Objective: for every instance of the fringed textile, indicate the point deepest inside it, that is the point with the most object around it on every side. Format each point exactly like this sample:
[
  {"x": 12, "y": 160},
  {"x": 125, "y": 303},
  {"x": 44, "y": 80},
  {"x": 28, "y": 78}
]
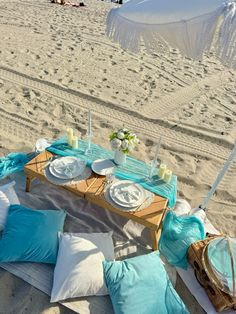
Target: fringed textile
[
  {"x": 192, "y": 37},
  {"x": 226, "y": 44}
]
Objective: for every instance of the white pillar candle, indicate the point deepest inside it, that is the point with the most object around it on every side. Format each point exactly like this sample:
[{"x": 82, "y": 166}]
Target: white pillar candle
[
  {"x": 168, "y": 175},
  {"x": 70, "y": 134},
  {"x": 75, "y": 142},
  {"x": 162, "y": 170}
]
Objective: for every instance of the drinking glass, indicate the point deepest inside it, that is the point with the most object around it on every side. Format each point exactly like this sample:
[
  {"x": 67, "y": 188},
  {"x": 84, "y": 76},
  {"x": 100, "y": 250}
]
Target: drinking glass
[{"x": 110, "y": 177}]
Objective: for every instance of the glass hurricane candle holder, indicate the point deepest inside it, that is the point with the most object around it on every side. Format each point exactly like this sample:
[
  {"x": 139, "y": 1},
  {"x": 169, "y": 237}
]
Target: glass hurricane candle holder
[
  {"x": 88, "y": 149},
  {"x": 153, "y": 165}
]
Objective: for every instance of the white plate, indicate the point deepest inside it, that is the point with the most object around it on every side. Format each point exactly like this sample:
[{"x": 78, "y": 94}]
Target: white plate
[
  {"x": 58, "y": 181},
  {"x": 67, "y": 167},
  {"x": 103, "y": 166},
  {"x": 149, "y": 197},
  {"x": 127, "y": 193}
]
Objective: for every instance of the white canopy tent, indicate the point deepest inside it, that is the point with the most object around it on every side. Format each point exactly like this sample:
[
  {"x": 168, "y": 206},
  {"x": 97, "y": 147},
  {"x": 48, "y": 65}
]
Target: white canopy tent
[{"x": 194, "y": 27}]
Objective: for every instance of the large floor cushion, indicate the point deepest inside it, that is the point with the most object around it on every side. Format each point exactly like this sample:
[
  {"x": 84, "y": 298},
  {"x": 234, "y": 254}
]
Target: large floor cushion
[
  {"x": 7, "y": 197},
  {"x": 140, "y": 285},
  {"x": 31, "y": 235},
  {"x": 79, "y": 269}
]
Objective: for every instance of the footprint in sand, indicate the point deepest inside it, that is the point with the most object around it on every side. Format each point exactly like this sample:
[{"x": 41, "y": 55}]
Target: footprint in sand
[
  {"x": 132, "y": 70},
  {"x": 228, "y": 119},
  {"x": 149, "y": 143},
  {"x": 153, "y": 85},
  {"x": 178, "y": 158}
]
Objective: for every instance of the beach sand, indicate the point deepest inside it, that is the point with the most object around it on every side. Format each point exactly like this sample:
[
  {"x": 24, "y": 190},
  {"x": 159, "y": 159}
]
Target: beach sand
[{"x": 56, "y": 63}]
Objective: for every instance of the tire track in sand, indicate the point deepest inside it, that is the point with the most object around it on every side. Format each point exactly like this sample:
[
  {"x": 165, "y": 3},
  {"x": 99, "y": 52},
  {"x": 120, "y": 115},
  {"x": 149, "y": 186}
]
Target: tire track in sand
[
  {"x": 148, "y": 126},
  {"x": 170, "y": 103},
  {"x": 17, "y": 125}
]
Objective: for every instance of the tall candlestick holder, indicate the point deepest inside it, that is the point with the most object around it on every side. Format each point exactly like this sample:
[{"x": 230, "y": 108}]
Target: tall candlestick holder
[
  {"x": 88, "y": 149},
  {"x": 154, "y": 163},
  {"x": 89, "y": 134}
]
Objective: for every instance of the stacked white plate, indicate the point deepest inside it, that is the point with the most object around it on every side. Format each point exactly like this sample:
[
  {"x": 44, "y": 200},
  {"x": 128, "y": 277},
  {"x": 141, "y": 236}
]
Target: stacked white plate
[
  {"x": 67, "y": 170},
  {"x": 128, "y": 196},
  {"x": 67, "y": 167}
]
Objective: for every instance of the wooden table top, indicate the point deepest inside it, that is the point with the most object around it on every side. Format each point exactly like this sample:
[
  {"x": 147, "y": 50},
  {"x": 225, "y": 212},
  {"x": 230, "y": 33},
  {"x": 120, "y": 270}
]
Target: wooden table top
[{"x": 92, "y": 190}]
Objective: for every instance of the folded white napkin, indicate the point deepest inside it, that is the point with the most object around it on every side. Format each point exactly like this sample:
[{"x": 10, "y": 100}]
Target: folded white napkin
[
  {"x": 127, "y": 195},
  {"x": 65, "y": 168},
  {"x": 69, "y": 170}
]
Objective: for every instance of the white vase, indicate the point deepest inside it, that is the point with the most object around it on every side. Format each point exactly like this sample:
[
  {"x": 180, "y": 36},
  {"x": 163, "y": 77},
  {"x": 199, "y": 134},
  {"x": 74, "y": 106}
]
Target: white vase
[{"x": 120, "y": 157}]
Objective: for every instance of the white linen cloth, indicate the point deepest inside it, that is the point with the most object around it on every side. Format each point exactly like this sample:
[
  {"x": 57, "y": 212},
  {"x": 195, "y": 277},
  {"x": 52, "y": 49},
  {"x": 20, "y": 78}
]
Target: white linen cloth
[{"x": 189, "y": 26}]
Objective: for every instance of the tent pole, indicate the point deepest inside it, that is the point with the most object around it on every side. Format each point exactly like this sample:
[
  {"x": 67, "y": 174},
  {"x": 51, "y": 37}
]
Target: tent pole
[{"x": 219, "y": 178}]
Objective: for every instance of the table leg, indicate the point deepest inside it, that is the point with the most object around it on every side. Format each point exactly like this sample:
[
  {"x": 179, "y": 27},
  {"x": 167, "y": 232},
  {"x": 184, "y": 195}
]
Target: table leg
[
  {"x": 155, "y": 236},
  {"x": 28, "y": 184}
]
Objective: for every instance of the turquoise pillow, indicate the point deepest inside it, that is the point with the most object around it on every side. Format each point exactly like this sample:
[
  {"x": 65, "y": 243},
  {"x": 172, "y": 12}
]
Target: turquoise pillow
[
  {"x": 140, "y": 285},
  {"x": 31, "y": 235}
]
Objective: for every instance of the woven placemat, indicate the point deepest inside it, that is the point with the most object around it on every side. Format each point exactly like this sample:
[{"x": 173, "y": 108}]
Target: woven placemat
[{"x": 51, "y": 178}]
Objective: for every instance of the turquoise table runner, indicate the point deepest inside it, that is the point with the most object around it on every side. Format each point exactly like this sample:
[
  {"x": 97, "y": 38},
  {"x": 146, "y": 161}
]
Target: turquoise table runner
[{"x": 133, "y": 169}]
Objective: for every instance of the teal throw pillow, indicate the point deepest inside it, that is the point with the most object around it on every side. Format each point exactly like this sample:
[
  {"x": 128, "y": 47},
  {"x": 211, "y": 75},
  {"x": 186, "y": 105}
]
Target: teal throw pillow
[
  {"x": 140, "y": 285},
  {"x": 31, "y": 235}
]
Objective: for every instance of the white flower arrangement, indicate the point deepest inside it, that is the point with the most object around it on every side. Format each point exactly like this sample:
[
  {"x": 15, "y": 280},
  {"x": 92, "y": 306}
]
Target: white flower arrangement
[{"x": 124, "y": 140}]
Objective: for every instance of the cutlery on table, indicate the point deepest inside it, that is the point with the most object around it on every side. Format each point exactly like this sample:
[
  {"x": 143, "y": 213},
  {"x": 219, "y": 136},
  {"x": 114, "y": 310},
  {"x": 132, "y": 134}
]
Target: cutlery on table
[
  {"x": 49, "y": 160},
  {"x": 105, "y": 184},
  {"x": 88, "y": 187}
]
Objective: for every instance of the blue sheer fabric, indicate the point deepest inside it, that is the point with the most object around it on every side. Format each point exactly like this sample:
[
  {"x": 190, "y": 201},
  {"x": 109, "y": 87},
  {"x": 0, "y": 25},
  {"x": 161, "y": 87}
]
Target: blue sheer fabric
[
  {"x": 133, "y": 169},
  {"x": 178, "y": 233},
  {"x": 12, "y": 163}
]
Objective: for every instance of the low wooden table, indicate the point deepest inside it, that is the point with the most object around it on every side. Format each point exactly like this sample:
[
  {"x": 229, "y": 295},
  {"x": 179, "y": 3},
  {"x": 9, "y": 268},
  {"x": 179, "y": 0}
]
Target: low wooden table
[{"x": 92, "y": 190}]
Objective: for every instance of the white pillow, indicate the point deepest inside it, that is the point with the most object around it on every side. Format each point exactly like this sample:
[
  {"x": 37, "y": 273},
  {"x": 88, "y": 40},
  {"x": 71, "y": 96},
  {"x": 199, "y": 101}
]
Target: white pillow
[
  {"x": 182, "y": 207},
  {"x": 79, "y": 270},
  {"x": 7, "y": 197}
]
